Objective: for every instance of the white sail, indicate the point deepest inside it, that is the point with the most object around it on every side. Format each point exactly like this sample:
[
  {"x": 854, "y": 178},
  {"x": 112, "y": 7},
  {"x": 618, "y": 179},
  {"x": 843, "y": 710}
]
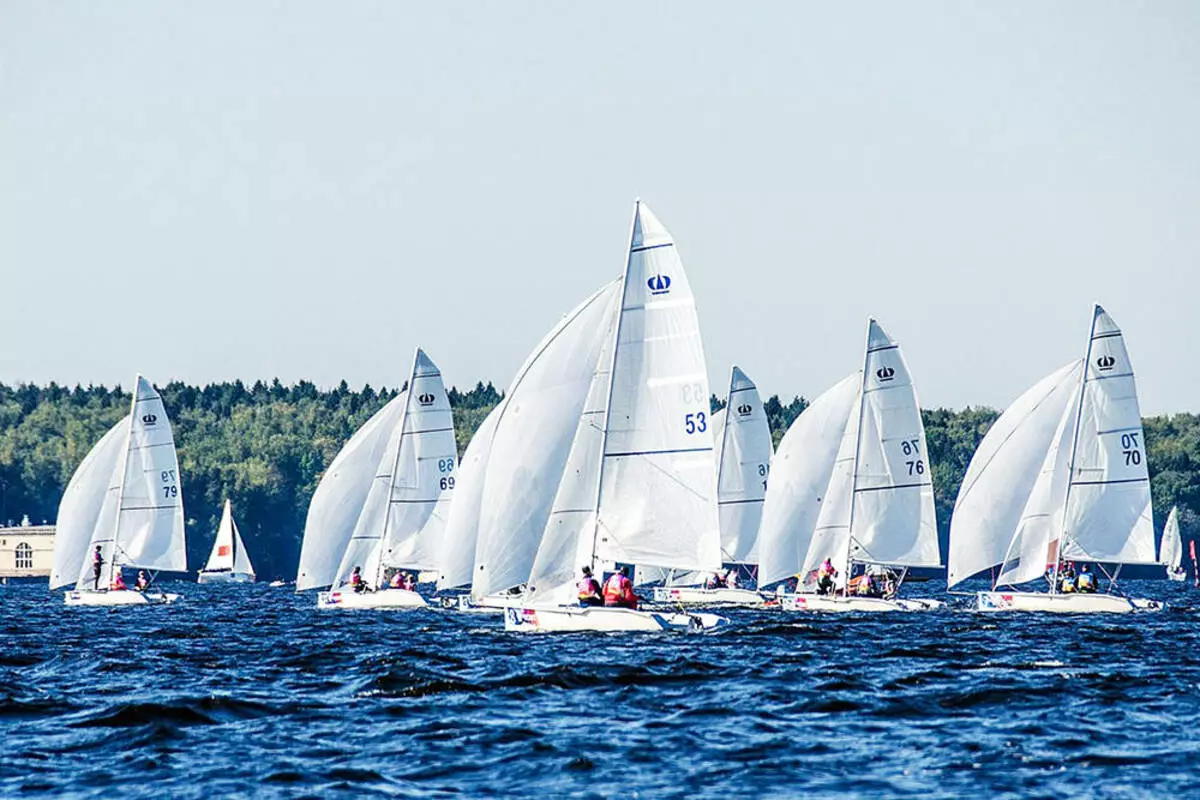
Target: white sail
[
  {"x": 831, "y": 534},
  {"x": 148, "y": 530},
  {"x": 1108, "y": 514},
  {"x": 894, "y": 520},
  {"x": 1002, "y": 474},
  {"x": 532, "y": 442},
  {"x": 1172, "y": 547},
  {"x": 1034, "y": 545},
  {"x": 338, "y": 501},
  {"x": 228, "y": 551},
  {"x": 400, "y": 523},
  {"x": 424, "y": 475},
  {"x": 457, "y": 561},
  {"x": 800, "y": 475},
  {"x": 743, "y": 455},
  {"x": 657, "y": 502},
  {"x": 79, "y": 512}
]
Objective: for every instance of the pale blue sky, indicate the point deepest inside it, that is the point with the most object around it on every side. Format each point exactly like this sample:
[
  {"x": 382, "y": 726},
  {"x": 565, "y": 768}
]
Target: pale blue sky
[{"x": 216, "y": 190}]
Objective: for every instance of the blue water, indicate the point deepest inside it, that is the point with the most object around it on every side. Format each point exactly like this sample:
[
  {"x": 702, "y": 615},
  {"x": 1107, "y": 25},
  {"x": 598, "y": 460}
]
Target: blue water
[{"x": 247, "y": 690}]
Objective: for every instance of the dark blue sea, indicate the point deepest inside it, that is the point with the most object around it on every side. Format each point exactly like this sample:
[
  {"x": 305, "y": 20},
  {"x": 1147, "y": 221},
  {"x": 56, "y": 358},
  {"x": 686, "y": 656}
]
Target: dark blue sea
[{"x": 250, "y": 691}]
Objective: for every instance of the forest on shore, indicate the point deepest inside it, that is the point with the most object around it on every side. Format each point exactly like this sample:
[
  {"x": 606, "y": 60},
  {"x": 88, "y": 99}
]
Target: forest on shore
[{"x": 265, "y": 447}]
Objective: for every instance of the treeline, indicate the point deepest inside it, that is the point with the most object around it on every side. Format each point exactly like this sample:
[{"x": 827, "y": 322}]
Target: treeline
[{"x": 265, "y": 447}]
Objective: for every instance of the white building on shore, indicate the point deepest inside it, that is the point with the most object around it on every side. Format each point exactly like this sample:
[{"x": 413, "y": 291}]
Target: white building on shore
[{"x": 26, "y": 551}]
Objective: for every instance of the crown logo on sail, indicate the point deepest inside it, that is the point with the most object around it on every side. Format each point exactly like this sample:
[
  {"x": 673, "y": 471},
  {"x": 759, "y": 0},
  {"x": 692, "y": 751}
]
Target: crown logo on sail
[
  {"x": 1105, "y": 363},
  {"x": 659, "y": 284},
  {"x": 885, "y": 373},
  {"x": 425, "y": 399},
  {"x": 149, "y": 419},
  {"x": 744, "y": 409}
]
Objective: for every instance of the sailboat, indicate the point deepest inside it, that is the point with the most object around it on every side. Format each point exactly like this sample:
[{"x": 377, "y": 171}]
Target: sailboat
[
  {"x": 743, "y": 456},
  {"x": 382, "y": 504},
  {"x": 228, "y": 562},
  {"x": 639, "y": 485},
  {"x": 853, "y": 484},
  {"x": 122, "y": 508},
  {"x": 1061, "y": 475},
  {"x": 1172, "y": 547}
]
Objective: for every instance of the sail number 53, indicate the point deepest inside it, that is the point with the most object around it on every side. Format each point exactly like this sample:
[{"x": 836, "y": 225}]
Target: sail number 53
[{"x": 695, "y": 423}]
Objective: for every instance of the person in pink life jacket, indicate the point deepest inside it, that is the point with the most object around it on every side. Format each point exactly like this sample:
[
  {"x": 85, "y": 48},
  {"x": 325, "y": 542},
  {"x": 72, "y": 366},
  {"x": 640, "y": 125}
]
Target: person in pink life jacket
[
  {"x": 589, "y": 589},
  {"x": 143, "y": 583},
  {"x": 397, "y": 580},
  {"x": 118, "y": 583},
  {"x": 356, "y": 580},
  {"x": 410, "y": 583}
]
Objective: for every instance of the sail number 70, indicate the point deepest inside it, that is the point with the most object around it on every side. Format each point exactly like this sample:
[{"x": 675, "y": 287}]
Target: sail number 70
[{"x": 1129, "y": 449}]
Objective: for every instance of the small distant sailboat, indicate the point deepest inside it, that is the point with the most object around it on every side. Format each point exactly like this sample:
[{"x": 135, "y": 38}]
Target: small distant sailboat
[
  {"x": 639, "y": 485},
  {"x": 383, "y": 502},
  {"x": 853, "y": 485},
  {"x": 228, "y": 562},
  {"x": 1172, "y": 548},
  {"x": 122, "y": 508},
  {"x": 743, "y": 456},
  {"x": 1061, "y": 475}
]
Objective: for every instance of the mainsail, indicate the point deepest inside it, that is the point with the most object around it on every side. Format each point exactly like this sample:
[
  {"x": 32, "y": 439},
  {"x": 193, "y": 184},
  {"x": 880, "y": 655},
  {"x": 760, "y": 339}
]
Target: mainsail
[
  {"x": 457, "y": 562},
  {"x": 743, "y": 455},
  {"x": 1172, "y": 547}
]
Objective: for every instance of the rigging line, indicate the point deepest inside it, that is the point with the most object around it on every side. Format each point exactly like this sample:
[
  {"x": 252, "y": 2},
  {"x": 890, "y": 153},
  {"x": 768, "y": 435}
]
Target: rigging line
[{"x": 646, "y": 247}]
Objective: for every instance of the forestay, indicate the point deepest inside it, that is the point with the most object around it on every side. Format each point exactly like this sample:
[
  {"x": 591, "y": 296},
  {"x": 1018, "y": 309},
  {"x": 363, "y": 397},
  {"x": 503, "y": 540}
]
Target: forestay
[
  {"x": 657, "y": 501},
  {"x": 800, "y": 475},
  {"x": 532, "y": 441},
  {"x": 1002, "y": 473},
  {"x": 743, "y": 455},
  {"x": 145, "y": 528},
  {"x": 457, "y": 561},
  {"x": 340, "y": 496}
]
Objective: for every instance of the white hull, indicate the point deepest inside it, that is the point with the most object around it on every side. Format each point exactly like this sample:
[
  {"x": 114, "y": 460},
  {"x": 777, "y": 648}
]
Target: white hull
[
  {"x": 383, "y": 598},
  {"x": 697, "y": 596},
  {"x": 225, "y": 576},
  {"x": 597, "y": 618},
  {"x": 492, "y": 604},
  {"x": 1177, "y": 575},
  {"x": 837, "y": 603},
  {"x": 125, "y": 597},
  {"x": 1063, "y": 603}
]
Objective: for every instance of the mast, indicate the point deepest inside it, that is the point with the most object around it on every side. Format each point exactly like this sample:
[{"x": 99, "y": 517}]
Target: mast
[
  {"x": 862, "y": 391},
  {"x": 112, "y": 558},
  {"x": 1087, "y": 365},
  {"x": 612, "y": 365},
  {"x": 387, "y": 513}
]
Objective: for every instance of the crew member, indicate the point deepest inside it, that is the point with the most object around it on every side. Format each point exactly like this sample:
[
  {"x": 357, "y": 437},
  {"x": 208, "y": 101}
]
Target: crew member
[
  {"x": 143, "y": 582},
  {"x": 715, "y": 581},
  {"x": 97, "y": 566},
  {"x": 356, "y": 581},
  {"x": 410, "y": 583},
  {"x": 1086, "y": 582},
  {"x": 397, "y": 580},
  {"x": 618, "y": 590},
  {"x": 589, "y": 589},
  {"x": 825, "y": 575},
  {"x": 118, "y": 582}
]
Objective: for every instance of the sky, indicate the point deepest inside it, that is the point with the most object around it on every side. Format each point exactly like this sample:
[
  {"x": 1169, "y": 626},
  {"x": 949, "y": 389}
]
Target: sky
[{"x": 309, "y": 190}]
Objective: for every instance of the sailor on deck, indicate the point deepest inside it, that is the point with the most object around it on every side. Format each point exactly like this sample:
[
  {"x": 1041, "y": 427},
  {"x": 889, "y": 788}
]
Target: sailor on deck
[
  {"x": 143, "y": 583},
  {"x": 589, "y": 589},
  {"x": 1086, "y": 582},
  {"x": 618, "y": 590},
  {"x": 356, "y": 581},
  {"x": 118, "y": 582},
  {"x": 97, "y": 566},
  {"x": 825, "y": 575}
]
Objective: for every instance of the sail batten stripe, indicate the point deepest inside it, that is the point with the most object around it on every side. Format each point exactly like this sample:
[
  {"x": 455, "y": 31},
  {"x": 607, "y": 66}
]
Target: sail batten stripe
[
  {"x": 658, "y": 452},
  {"x": 646, "y": 247},
  {"x": 1106, "y": 483},
  {"x": 897, "y": 486}
]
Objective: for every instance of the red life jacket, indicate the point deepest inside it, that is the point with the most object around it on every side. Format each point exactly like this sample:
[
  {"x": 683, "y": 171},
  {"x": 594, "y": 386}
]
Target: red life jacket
[
  {"x": 588, "y": 587},
  {"x": 614, "y": 589}
]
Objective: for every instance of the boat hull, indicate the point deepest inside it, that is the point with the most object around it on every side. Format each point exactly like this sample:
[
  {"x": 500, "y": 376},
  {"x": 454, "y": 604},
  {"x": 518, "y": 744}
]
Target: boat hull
[
  {"x": 383, "y": 598},
  {"x": 568, "y": 619},
  {"x": 697, "y": 596},
  {"x": 225, "y": 577},
  {"x": 1063, "y": 603},
  {"x": 839, "y": 604},
  {"x": 492, "y": 604},
  {"x": 124, "y": 597}
]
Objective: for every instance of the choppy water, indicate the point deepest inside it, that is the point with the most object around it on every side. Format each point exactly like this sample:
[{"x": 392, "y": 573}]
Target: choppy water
[{"x": 250, "y": 690}]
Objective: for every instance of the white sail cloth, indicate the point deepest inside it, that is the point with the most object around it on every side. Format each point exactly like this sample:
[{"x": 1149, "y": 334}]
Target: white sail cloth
[
  {"x": 800, "y": 475},
  {"x": 878, "y": 506},
  {"x": 1090, "y": 498},
  {"x": 403, "y": 515},
  {"x": 532, "y": 441},
  {"x": 125, "y": 498},
  {"x": 229, "y": 551},
  {"x": 338, "y": 501},
  {"x": 640, "y": 482},
  {"x": 743, "y": 455},
  {"x": 457, "y": 561},
  {"x": 1171, "y": 555}
]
